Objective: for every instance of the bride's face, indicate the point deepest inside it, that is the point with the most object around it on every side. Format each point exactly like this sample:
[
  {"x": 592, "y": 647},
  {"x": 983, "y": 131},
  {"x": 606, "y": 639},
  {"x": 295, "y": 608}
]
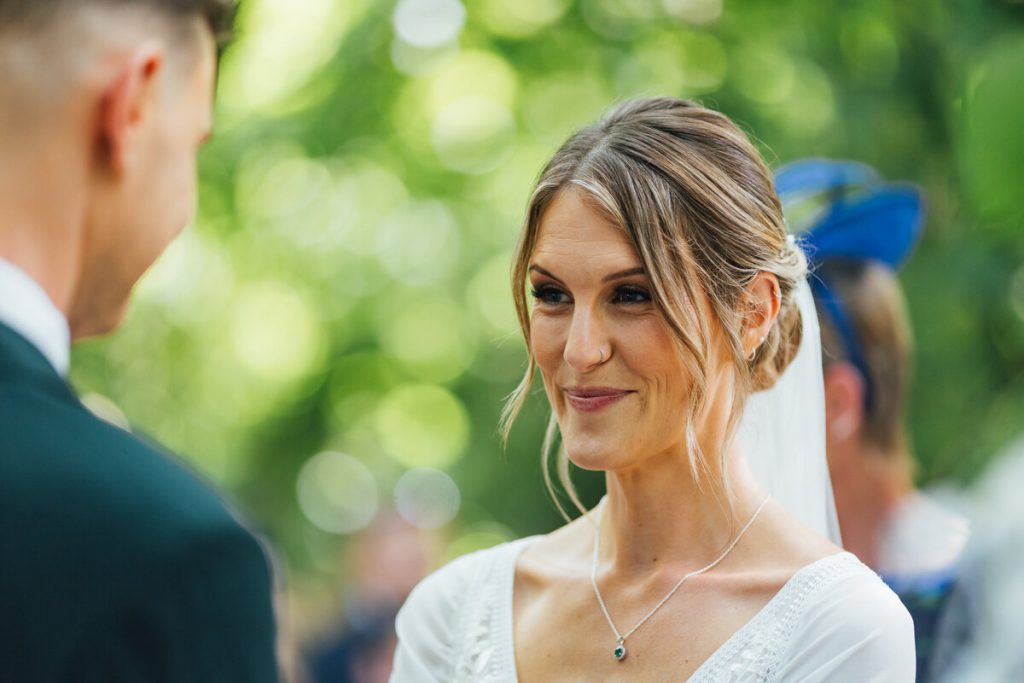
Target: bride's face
[{"x": 613, "y": 375}]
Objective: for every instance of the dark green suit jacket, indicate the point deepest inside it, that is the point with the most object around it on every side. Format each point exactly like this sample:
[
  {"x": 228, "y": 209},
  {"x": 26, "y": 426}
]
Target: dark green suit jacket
[{"x": 116, "y": 563}]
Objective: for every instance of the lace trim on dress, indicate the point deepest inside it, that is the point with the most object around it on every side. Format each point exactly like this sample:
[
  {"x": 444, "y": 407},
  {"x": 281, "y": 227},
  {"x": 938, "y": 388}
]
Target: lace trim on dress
[
  {"x": 486, "y": 653},
  {"x": 755, "y": 651}
]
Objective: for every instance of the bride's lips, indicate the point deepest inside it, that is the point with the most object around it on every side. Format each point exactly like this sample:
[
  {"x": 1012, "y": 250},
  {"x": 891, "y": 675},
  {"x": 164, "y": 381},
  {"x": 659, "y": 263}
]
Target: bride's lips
[{"x": 590, "y": 399}]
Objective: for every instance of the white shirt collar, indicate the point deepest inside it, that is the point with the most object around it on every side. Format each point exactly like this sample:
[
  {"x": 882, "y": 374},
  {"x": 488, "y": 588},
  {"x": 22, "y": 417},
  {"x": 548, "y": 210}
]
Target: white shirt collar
[{"x": 27, "y": 309}]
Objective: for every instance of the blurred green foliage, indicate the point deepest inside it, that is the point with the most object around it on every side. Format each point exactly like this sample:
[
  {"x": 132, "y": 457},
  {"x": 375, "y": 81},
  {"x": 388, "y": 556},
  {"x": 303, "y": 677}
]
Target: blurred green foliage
[{"x": 345, "y": 286}]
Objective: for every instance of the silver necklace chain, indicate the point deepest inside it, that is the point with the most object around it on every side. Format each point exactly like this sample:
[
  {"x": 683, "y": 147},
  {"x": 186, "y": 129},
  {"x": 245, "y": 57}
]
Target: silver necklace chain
[{"x": 620, "y": 650}]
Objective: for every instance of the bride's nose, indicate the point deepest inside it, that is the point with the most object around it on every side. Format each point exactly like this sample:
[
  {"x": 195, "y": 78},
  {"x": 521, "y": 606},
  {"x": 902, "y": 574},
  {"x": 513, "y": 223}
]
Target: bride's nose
[{"x": 586, "y": 345}]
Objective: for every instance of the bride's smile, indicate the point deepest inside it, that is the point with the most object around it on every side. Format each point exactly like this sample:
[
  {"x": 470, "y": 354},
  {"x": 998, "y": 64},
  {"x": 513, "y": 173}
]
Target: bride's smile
[{"x": 592, "y": 399}]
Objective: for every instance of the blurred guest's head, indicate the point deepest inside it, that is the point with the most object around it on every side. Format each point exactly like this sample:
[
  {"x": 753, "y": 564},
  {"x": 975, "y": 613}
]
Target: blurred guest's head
[
  {"x": 866, "y": 372},
  {"x": 388, "y": 558},
  {"x": 866, "y": 349}
]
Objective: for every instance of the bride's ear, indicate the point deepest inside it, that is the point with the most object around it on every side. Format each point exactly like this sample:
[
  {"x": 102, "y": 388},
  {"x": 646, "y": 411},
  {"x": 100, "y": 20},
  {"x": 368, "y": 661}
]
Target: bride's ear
[{"x": 763, "y": 300}]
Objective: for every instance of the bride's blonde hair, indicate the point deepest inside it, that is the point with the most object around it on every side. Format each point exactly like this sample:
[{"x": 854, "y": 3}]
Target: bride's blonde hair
[{"x": 698, "y": 202}]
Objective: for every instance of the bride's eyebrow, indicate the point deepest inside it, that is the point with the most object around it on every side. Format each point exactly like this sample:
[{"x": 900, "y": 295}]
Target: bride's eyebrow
[
  {"x": 618, "y": 275},
  {"x": 624, "y": 273},
  {"x": 543, "y": 271}
]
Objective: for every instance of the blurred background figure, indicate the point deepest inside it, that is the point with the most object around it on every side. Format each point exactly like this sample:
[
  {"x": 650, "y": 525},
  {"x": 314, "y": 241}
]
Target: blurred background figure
[
  {"x": 381, "y": 566},
  {"x": 859, "y": 232},
  {"x": 981, "y": 635}
]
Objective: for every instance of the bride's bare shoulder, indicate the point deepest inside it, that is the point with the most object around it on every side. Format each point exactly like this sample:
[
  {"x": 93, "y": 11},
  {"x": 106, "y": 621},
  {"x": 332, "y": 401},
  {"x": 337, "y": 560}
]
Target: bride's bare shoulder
[
  {"x": 788, "y": 543},
  {"x": 562, "y": 553}
]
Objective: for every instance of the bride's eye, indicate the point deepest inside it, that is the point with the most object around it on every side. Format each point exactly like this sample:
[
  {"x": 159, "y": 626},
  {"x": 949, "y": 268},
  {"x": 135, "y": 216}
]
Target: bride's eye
[
  {"x": 550, "y": 295},
  {"x": 631, "y": 294}
]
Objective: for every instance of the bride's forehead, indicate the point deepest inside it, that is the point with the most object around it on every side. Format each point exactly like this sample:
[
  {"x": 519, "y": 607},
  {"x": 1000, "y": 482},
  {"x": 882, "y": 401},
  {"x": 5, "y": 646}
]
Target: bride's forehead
[
  {"x": 573, "y": 228},
  {"x": 585, "y": 244},
  {"x": 584, "y": 254}
]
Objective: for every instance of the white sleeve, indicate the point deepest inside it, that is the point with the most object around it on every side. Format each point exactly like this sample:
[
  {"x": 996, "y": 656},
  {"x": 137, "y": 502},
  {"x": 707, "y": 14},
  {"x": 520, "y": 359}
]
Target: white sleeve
[
  {"x": 856, "y": 631},
  {"x": 428, "y": 624}
]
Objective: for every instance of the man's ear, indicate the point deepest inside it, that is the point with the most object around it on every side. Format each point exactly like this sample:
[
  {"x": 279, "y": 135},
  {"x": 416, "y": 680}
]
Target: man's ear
[
  {"x": 126, "y": 103},
  {"x": 844, "y": 401},
  {"x": 763, "y": 302}
]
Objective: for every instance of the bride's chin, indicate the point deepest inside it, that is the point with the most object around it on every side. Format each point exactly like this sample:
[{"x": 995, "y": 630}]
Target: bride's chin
[{"x": 595, "y": 458}]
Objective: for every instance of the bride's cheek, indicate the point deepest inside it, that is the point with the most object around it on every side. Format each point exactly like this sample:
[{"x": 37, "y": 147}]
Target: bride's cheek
[{"x": 546, "y": 344}]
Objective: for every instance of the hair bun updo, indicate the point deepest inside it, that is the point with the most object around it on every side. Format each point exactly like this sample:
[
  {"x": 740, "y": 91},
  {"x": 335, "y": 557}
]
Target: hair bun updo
[{"x": 783, "y": 340}]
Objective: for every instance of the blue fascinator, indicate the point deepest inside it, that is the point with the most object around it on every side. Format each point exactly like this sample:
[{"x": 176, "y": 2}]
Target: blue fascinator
[{"x": 854, "y": 216}]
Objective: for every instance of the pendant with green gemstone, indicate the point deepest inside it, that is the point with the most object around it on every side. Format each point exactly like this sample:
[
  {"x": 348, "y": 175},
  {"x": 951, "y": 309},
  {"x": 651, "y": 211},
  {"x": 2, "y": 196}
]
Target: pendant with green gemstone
[{"x": 620, "y": 651}]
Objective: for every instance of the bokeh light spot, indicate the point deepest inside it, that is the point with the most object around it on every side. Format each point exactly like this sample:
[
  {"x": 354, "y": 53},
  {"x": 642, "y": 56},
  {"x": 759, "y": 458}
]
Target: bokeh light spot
[
  {"x": 193, "y": 279},
  {"x": 678, "y": 62},
  {"x": 705, "y": 63},
  {"x": 472, "y": 72},
  {"x": 427, "y": 498},
  {"x": 274, "y": 333},
  {"x": 367, "y": 192},
  {"x": 811, "y": 107},
  {"x": 419, "y": 243},
  {"x": 620, "y": 19},
  {"x": 490, "y": 292},
  {"x": 337, "y": 492},
  {"x": 421, "y": 115},
  {"x": 428, "y": 23},
  {"x": 278, "y": 183},
  {"x": 422, "y": 426},
  {"x": 694, "y": 11},
  {"x": 765, "y": 75},
  {"x": 521, "y": 18},
  {"x": 415, "y": 61},
  {"x": 281, "y": 45},
  {"x": 432, "y": 338},
  {"x": 555, "y": 104},
  {"x": 474, "y": 134}
]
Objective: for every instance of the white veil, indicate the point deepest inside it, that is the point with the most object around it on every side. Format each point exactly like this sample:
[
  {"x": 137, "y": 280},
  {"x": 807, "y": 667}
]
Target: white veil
[{"x": 782, "y": 432}]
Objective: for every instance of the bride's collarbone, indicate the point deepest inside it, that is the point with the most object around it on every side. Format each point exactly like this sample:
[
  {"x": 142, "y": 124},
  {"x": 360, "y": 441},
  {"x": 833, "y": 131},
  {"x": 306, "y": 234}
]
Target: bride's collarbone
[{"x": 560, "y": 633}]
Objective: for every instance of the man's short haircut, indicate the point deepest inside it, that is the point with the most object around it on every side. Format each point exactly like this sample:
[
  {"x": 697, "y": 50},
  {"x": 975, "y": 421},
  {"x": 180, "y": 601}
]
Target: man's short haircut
[
  {"x": 873, "y": 299},
  {"x": 217, "y": 14}
]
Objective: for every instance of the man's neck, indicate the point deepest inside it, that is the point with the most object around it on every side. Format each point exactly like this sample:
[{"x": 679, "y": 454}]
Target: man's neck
[
  {"x": 38, "y": 235},
  {"x": 53, "y": 273},
  {"x": 867, "y": 495}
]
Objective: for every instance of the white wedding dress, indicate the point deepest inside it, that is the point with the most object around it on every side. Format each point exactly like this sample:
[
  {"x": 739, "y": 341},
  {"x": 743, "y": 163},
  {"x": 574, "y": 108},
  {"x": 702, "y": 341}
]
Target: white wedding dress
[{"x": 833, "y": 621}]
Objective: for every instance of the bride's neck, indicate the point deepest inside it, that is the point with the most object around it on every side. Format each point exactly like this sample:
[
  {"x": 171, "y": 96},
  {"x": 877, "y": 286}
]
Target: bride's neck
[{"x": 656, "y": 514}]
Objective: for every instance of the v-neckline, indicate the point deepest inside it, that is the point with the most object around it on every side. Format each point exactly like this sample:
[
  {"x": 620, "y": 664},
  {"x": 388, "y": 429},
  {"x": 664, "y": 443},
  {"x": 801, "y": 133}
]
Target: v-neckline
[{"x": 509, "y": 624}]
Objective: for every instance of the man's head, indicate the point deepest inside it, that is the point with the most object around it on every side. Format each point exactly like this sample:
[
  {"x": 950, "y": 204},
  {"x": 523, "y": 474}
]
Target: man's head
[
  {"x": 103, "y": 105},
  {"x": 867, "y": 366}
]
